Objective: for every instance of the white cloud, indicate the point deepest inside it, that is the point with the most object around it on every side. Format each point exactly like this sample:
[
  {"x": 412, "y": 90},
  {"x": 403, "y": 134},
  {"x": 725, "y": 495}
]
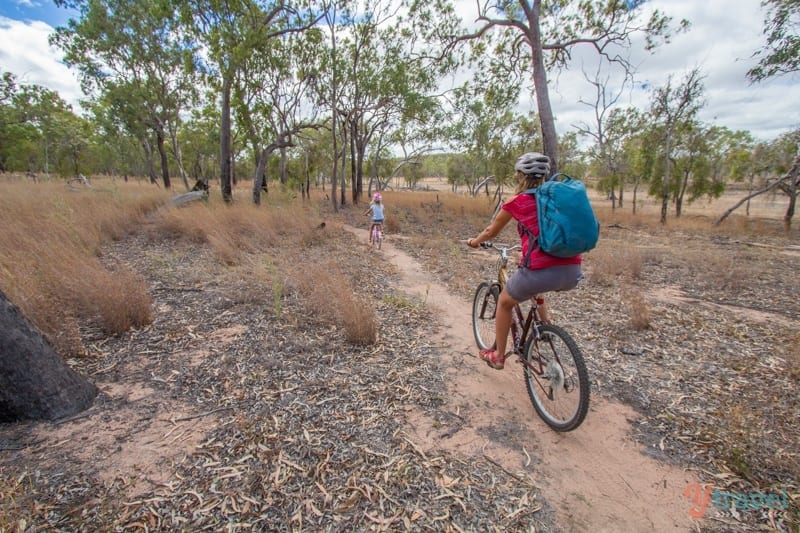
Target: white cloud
[
  {"x": 721, "y": 42},
  {"x": 26, "y": 53}
]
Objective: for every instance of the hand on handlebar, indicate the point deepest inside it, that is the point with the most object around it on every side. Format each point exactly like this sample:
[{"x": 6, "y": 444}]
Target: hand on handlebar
[{"x": 472, "y": 244}]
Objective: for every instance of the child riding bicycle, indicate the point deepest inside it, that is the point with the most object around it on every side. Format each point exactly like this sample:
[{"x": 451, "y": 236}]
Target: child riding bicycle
[
  {"x": 377, "y": 210},
  {"x": 538, "y": 272}
]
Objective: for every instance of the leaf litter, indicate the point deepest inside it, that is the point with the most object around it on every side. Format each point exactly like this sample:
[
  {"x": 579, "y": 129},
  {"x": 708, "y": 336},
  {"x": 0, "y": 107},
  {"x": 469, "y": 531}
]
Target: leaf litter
[{"x": 229, "y": 412}]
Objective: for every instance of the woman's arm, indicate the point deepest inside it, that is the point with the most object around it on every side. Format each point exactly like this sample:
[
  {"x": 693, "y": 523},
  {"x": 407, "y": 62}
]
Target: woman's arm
[{"x": 491, "y": 231}]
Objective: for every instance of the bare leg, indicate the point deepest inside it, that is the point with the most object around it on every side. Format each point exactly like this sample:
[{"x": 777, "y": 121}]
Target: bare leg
[
  {"x": 544, "y": 312},
  {"x": 502, "y": 323}
]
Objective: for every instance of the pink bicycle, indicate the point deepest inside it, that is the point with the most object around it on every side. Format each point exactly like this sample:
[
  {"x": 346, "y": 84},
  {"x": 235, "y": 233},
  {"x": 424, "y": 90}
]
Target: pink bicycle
[{"x": 376, "y": 235}]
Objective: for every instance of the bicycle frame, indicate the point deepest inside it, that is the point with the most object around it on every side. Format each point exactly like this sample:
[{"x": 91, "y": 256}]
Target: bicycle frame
[
  {"x": 554, "y": 367},
  {"x": 521, "y": 325}
]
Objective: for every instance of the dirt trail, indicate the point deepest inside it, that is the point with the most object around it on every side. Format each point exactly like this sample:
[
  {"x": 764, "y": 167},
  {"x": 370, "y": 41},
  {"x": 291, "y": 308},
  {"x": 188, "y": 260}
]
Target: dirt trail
[{"x": 596, "y": 477}]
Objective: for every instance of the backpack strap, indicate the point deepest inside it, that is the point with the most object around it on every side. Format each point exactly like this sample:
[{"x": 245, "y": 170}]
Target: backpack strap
[{"x": 533, "y": 241}]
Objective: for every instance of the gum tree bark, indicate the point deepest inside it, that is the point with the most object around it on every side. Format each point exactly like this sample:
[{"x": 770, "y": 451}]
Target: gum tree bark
[{"x": 35, "y": 382}]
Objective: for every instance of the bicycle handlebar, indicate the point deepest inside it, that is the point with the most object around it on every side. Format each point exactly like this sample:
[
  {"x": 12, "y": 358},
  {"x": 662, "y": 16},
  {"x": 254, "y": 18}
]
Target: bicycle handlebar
[{"x": 500, "y": 247}]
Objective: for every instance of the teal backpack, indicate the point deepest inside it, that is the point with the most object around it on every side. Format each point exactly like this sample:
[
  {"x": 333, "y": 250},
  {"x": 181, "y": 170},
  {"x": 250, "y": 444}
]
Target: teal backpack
[{"x": 567, "y": 224}]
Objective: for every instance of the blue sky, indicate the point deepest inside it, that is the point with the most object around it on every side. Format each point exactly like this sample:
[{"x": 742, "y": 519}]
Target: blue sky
[
  {"x": 723, "y": 37},
  {"x": 33, "y": 10}
]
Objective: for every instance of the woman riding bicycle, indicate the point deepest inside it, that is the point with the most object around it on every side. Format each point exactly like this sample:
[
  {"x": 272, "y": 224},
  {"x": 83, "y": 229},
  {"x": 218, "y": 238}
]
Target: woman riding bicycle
[
  {"x": 538, "y": 272},
  {"x": 377, "y": 209}
]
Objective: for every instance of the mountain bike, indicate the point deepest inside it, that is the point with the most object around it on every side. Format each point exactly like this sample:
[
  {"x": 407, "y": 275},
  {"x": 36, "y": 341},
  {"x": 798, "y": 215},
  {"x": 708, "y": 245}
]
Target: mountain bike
[
  {"x": 376, "y": 235},
  {"x": 553, "y": 365}
]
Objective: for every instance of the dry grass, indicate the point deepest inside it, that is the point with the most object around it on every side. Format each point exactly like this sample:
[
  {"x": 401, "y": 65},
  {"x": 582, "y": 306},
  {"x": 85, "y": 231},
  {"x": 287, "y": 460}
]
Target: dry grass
[
  {"x": 423, "y": 212},
  {"x": 49, "y": 255},
  {"x": 14, "y": 495},
  {"x": 637, "y": 309},
  {"x": 330, "y": 298},
  {"x": 280, "y": 245},
  {"x": 607, "y": 264},
  {"x": 49, "y": 260},
  {"x": 698, "y": 219}
]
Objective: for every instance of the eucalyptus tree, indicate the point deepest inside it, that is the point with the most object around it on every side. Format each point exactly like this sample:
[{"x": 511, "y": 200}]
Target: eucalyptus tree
[
  {"x": 118, "y": 108},
  {"x": 672, "y": 107},
  {"x": 41, "y": 127},
  {"x": 135, "y": 50},
  {"x": 488, "y": 130},
  {"x": 641, "y": 150},
  {"x": 780, "y": 55},
  {"x": 537, "y": 35},
  {"x": 608, "y": 133},
  {"x": 718, "y": 152},
  {"x": 610, "y": 155},
  {"x": 573, "y": 159},
  {"x": 74, "y": 142},
  {"x": 231, "y": 31},
  {"x": 747, "y": 162},
  {"x": 389, "y": 85},
  {"x": 693, "y": 166},
  {"x": 200, "y": 142},
  {"x": 273, "y": 102},
  {"x": 409, "y": 143},
  {"x": 783, "y": 155},
  {"x": 8, "y": 86}
]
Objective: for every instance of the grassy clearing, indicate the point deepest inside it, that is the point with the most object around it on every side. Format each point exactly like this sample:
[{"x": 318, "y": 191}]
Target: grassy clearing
[
  {"x": 52, "y": 265},
  {"x": 50, "y": 251}
]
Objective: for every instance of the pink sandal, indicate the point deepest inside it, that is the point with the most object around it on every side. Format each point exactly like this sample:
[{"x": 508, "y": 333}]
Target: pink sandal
[{"x": 493, "y": 359}]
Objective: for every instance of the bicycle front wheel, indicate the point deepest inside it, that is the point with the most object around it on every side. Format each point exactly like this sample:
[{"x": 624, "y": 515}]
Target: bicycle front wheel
[
  {"x": 557, "y": 380},
  {"x": 484, "y": 314}
]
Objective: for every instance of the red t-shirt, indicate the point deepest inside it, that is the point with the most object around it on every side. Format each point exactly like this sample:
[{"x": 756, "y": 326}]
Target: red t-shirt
[{"x": 523, "y": 209}]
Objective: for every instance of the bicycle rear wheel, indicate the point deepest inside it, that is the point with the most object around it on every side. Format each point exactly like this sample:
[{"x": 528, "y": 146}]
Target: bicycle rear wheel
[
  {"x": 560, "y": 393},
  {"x": 484, "y": 314}
]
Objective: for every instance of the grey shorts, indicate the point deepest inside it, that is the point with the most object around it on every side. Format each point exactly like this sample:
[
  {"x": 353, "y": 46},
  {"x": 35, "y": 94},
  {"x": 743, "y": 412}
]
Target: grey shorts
[{"x": 525, "y": 282}]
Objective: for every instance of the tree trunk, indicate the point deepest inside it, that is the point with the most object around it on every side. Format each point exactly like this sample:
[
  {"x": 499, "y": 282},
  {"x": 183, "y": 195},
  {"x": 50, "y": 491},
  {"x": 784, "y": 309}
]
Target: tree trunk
[
  {"x": 176, "y": 148},
  {"x": 749, "y": 192},
  {"x": 665, "y": 185},
  {"x": 791, "y": 190},
  {"x": 35, "y": 382},
  {"x": 225, "y": 142},
  {"x": 793, "y": 174},
  {"x": 259, "y": 181},
  {"x": 164, "y": 163},
  {"x": 284, "y": 175},
  {"x": 151, "y": 167},
  {"x": 546, "y": 119}
]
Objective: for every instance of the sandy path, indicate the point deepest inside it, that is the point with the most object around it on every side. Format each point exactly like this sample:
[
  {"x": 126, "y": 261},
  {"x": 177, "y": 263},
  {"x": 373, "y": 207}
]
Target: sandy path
[{"x": 596, "y": 477}]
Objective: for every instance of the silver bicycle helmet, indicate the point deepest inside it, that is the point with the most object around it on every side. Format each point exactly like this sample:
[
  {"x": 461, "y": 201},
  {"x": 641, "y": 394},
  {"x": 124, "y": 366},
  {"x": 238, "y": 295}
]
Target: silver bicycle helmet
[{"x": 533, "y": 163}]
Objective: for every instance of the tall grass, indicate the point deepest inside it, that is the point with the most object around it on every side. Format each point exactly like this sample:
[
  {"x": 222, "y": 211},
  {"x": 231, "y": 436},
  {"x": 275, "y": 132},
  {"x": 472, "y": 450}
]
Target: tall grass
[
  {"x": 428, "y": 213},
  {"x": 49, "y": 257},
  {"x": 51, "y": 266}
]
